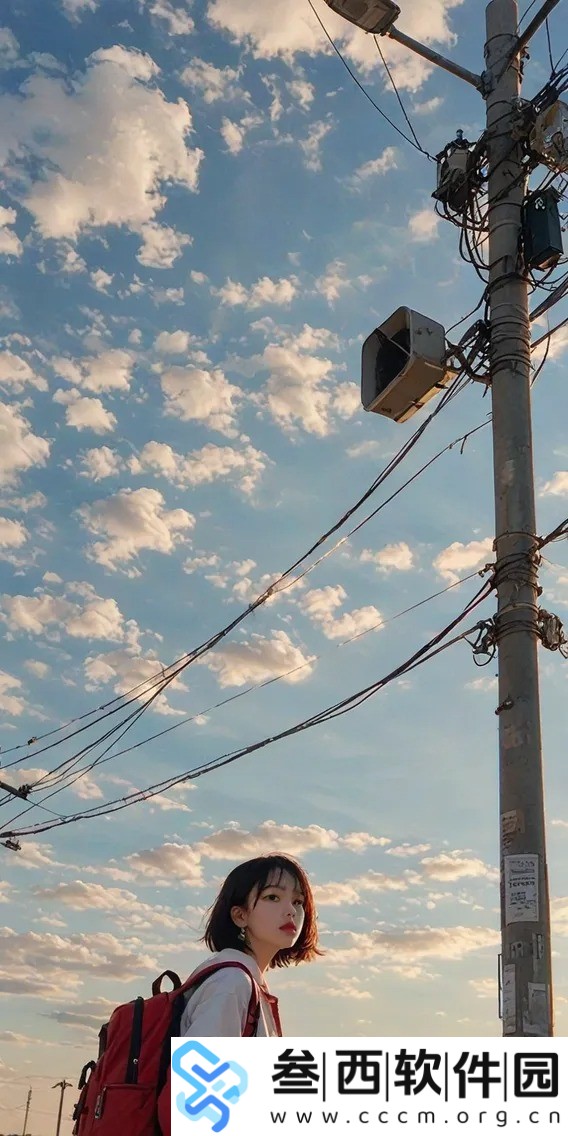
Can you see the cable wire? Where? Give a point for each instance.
(167, 675)
(429, 650)
(410, 141)
(395, 89)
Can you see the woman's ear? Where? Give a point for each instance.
(238, 915)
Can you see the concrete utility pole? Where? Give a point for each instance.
(525, 907)
(61, 1085)
(28, 1102)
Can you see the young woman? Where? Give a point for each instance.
(264, 916)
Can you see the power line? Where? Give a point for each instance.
(122, 727)
(165, 676)
(432, 648)
(395, 89)
(424, 654)
(416, 144)
(52, 779)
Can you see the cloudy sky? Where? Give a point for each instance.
(201, 216)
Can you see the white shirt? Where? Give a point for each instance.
(218, 1008)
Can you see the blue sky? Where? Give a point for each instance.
(201, 217)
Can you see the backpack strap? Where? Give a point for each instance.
(253, 1011)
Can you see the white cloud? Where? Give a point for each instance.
(428, 106)
(284, 30)
(131, 522)
(321, 604)
(213, 83)
(85, 413)
(16, 373)
(264, 291)
(101, 279)
(333, 281)
(346, 399)
(369, 448)
(458, 557)
(393, 557)
(178, 20)
(97, 618)
(423, 226)
(75, 9)
(203, 396)
(19, 448)
(10, 243)
(413, 944)
(170, 862)
(194, 563)
(100, 463)
(233, 842)
(299, 390)
(162, 245)
(456, 866)
(375, 167)
(172, 342)
(302, 92)
(127, 669)
(13, 534)
(234, 133)
(98, 167)
(60, 960)
(485, 683)
(243, 467)
(9, 48)
(37, 668)
(238, 664)
(311, 144)
(406, 850)
(109, 370)
(558, 344)
(10, 703)
(557, 486)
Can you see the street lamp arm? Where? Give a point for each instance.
(535, 24)
(435, 57)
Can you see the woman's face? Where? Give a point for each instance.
(274, 916)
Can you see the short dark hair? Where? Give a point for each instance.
(221, 932)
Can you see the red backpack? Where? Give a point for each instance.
(126, 1092)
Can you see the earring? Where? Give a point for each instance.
(243, 934)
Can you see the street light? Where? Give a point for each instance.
(375, 16)
(403, 365)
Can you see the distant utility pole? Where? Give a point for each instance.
(28, 1102)
(525, 907)
(61, 1085)
(525, 903)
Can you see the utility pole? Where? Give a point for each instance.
(526, 972)
(525, 906)
(28, 1102)
(61, 1085)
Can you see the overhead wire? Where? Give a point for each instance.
(65, 768)
(364, 91)
(396, 91)
(429, 650)
(60, 777)
(165, 676)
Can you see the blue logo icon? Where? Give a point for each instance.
(214, 1089)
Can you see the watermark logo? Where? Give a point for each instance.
(216, 1088)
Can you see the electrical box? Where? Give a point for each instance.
(453, 168)
(542, 230)
(549, 136)
(403, 364)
